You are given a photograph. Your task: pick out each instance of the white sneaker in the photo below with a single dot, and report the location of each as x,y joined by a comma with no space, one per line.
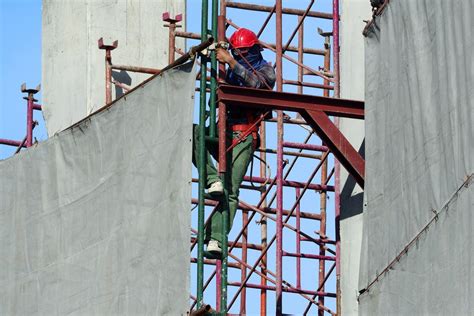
213,246
216,188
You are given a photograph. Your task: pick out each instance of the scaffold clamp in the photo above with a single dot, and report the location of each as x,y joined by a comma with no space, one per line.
214,46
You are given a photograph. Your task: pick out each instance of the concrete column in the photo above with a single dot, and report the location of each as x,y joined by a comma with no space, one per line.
353,12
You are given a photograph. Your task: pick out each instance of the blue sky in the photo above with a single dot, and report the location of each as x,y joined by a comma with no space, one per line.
20,61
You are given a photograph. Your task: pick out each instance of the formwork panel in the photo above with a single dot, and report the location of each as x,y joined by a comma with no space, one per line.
95,220
418,238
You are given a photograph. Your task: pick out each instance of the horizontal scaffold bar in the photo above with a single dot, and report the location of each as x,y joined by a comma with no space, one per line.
263,8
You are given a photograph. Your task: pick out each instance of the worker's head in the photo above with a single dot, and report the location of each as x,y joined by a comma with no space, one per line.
244,41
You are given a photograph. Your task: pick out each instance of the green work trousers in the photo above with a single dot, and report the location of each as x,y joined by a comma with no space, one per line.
241,156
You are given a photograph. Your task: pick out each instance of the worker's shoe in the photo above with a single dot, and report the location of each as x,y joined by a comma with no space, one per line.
213,247
216,188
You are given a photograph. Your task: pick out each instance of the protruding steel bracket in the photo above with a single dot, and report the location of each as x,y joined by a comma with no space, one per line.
167,18
31,92
324,34
34,91
101,44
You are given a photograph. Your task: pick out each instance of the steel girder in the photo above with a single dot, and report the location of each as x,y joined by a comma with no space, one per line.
315,110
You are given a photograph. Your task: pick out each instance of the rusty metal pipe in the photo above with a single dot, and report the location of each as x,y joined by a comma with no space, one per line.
284,289
262,8
268,210
312,51
13,143
190,54
144,70
305,146
289,153
292,184
214,262
301,84
309,256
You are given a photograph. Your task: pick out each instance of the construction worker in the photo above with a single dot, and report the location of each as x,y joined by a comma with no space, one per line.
246,68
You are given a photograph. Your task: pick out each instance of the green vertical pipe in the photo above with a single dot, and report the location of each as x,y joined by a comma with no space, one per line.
201,160
212,100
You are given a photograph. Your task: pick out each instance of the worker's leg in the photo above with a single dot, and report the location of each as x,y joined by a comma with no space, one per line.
211,175
241,155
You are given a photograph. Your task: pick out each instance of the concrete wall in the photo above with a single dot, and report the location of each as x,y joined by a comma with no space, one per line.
352,87
73,67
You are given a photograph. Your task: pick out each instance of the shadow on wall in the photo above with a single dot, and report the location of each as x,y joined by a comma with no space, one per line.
121,77
353,204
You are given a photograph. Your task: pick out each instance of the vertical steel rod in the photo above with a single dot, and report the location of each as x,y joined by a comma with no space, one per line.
202,157
30,106
172,43
108,76
212,98
322,231
263,222
323,194
279,224
218,284
335,21
29,120
298,240
212,133
335,27
172,25
300,53
243,271
223,168
298,191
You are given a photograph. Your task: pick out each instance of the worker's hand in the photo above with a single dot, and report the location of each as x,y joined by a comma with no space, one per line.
224,56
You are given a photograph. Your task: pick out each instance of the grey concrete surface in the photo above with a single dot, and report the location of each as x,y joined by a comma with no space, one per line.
352,87
73,68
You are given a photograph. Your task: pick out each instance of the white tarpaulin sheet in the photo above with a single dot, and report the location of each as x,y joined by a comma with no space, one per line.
95,220
419,153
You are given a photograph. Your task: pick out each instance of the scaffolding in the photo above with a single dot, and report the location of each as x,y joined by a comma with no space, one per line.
31,106
273,263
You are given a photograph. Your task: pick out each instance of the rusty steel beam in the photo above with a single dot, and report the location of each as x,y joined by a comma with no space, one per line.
337,142
315,110
246,97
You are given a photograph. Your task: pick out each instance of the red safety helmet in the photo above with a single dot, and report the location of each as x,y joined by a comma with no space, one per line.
243,38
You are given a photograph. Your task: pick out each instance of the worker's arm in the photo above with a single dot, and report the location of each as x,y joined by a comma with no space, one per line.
264,79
